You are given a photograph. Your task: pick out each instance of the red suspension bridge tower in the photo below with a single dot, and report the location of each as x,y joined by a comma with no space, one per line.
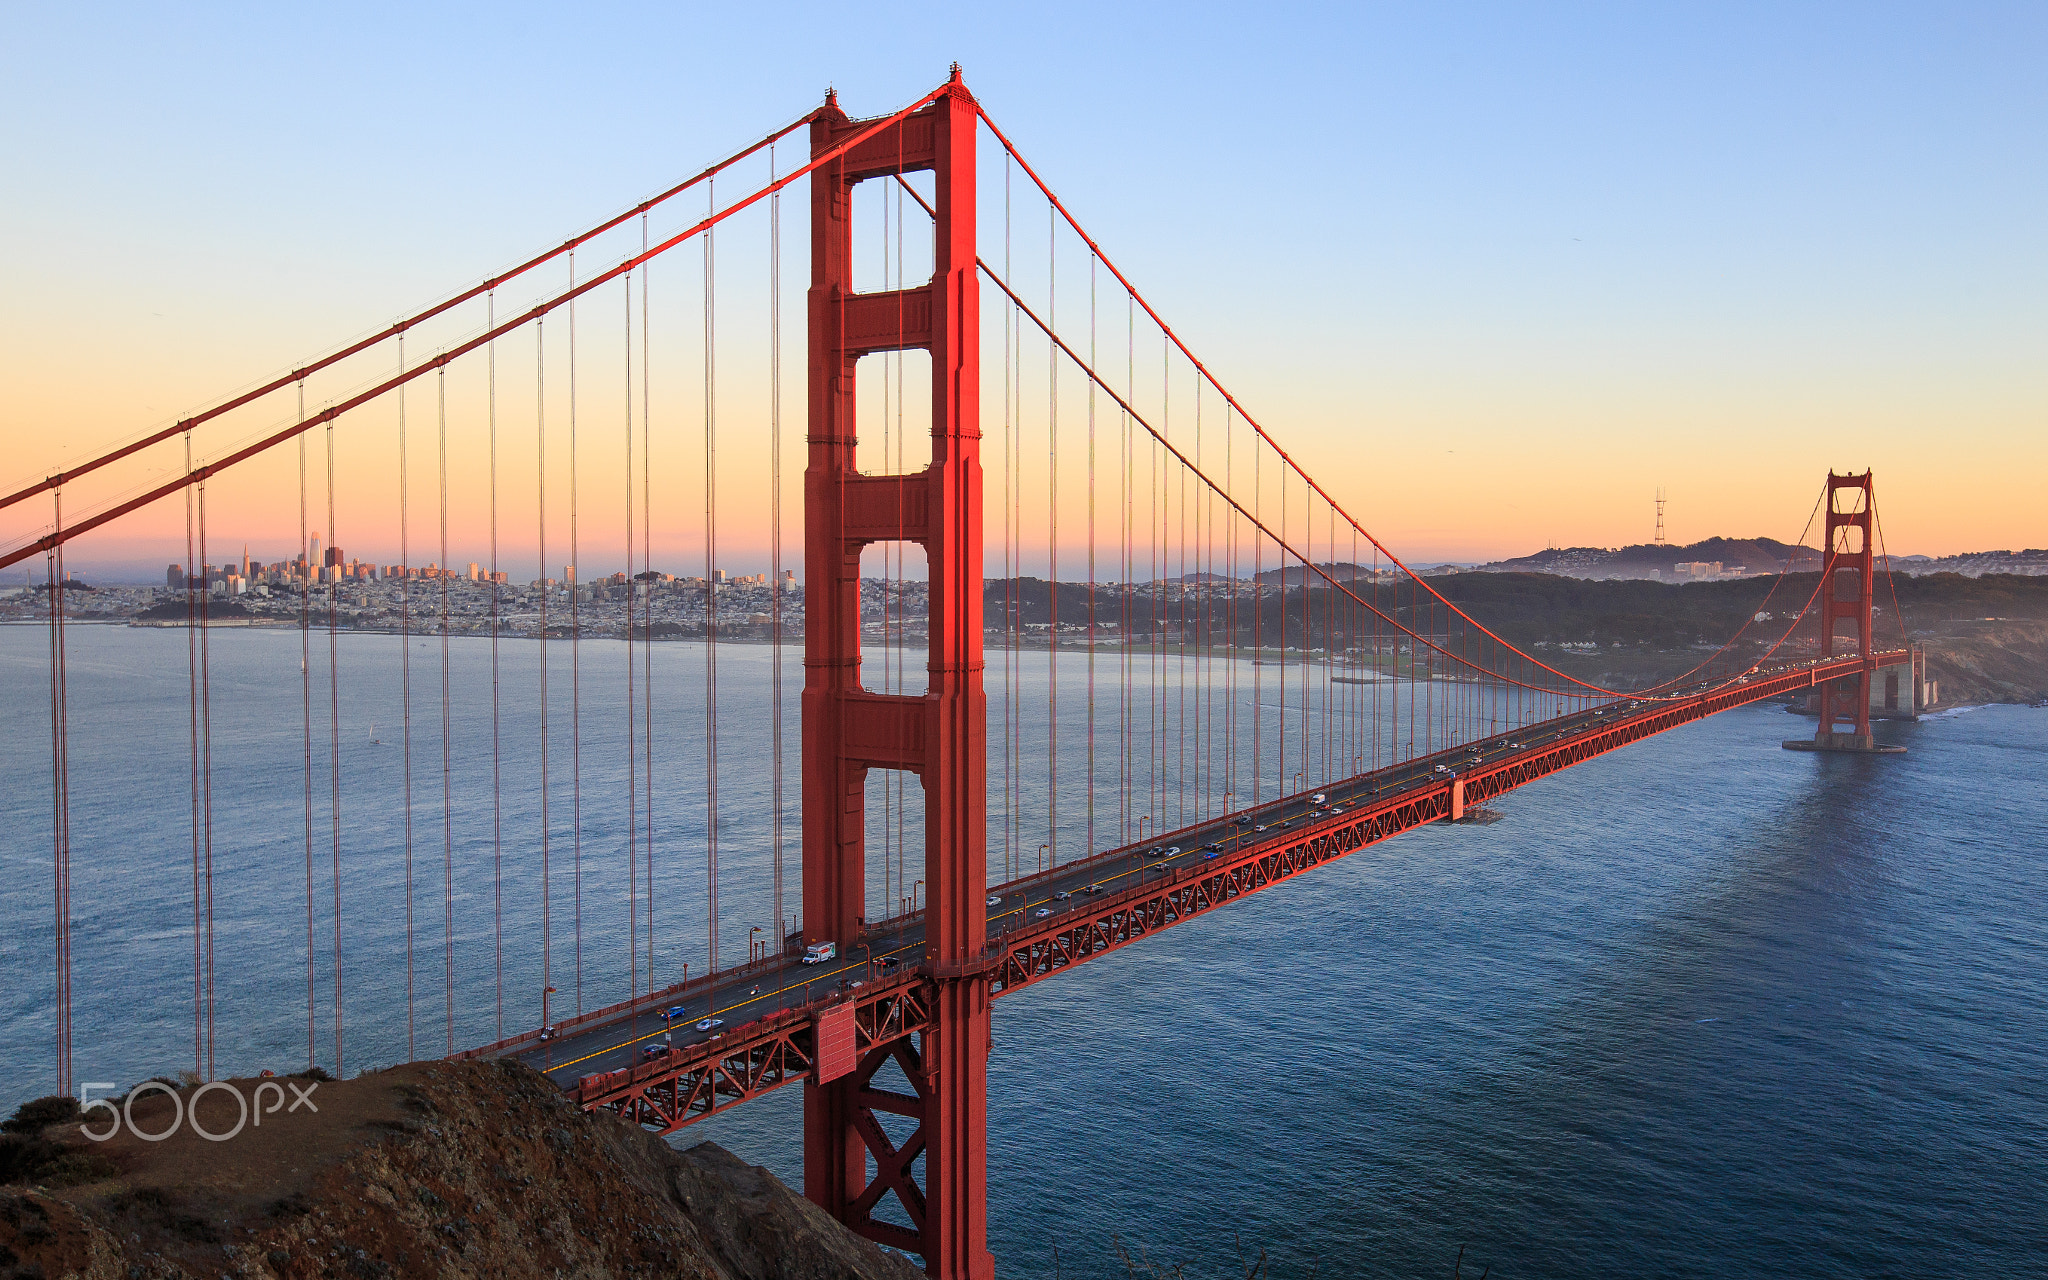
1848,577
939,736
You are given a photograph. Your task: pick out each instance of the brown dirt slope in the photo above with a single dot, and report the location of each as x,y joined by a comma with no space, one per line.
1989,662
432,1169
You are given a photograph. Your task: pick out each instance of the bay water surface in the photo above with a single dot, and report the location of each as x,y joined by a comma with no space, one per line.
1703,1007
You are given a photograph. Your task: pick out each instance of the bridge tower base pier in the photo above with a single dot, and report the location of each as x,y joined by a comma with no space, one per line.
1848,577
940,736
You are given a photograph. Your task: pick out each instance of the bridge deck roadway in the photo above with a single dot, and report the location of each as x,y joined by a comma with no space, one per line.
659,1069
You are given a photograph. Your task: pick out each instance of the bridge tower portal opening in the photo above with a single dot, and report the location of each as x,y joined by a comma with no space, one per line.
940,736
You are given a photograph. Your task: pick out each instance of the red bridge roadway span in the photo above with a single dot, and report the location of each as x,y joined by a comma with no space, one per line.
821,1022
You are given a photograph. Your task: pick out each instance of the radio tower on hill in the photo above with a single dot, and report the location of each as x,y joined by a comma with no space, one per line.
1660,516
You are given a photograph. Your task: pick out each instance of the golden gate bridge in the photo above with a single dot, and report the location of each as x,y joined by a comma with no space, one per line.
1181,778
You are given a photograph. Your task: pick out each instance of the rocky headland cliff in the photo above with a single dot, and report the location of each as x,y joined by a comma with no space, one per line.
425,1170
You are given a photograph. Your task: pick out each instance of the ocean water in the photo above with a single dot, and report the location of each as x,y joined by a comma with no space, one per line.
1703,1007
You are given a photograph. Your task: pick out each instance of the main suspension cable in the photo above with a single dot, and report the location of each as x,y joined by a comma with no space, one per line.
398,329
492,332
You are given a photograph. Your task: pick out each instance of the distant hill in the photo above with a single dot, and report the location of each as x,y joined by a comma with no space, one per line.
2031,563
1341,571
1651,560
1752,556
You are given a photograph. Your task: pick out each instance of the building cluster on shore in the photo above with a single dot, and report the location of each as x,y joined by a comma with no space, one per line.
326,588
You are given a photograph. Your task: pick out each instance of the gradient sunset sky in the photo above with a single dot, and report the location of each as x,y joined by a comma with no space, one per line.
1495,273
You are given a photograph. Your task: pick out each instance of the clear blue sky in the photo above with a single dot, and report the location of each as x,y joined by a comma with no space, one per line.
1579,250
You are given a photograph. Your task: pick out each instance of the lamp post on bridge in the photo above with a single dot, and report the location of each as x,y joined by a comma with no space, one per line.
751,943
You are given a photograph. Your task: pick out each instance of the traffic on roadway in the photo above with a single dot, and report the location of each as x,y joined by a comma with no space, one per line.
708,1011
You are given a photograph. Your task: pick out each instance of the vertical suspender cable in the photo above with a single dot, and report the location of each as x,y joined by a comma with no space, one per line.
1173,598
647,566
898,777
1015,465
1090,848
193,574
1052,541
540,438
1258,617
497,757
894,900
60,798
1376,669
575,577
902,634
334,747
206,777
775,541
1190,626
1123,599
632,705
1329,648
710,598
405,691
306,722
1230,742
1180,648
447,722
1354,694
1162,509
1155,708
1010,867
1300,777
1205,554
1415,624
